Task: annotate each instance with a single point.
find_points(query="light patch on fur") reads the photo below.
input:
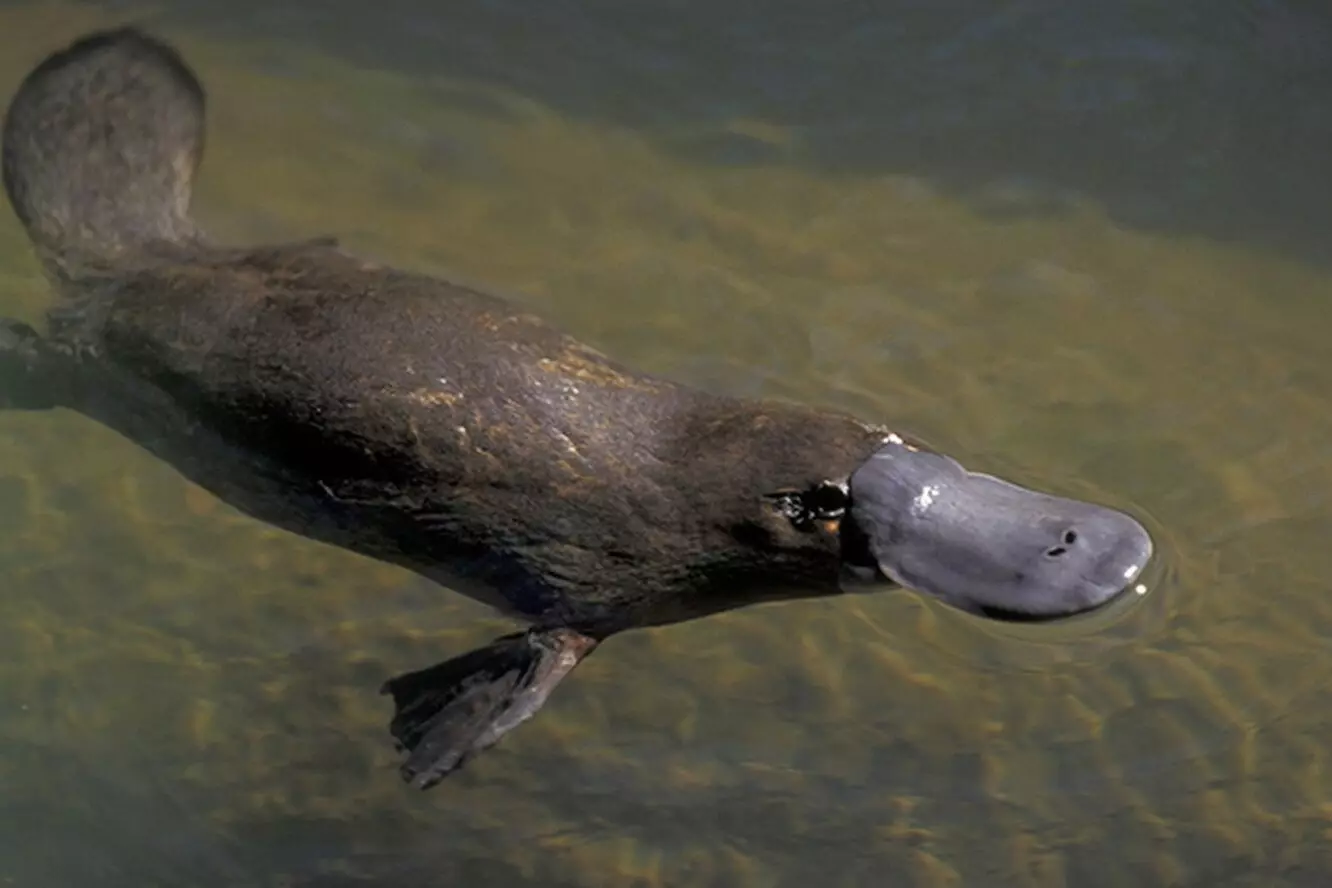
(434, 397)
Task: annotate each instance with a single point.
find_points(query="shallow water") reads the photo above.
(1082, 245)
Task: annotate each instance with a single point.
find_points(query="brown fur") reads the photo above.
(406, 417)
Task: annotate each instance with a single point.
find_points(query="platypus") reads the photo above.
(427, 423)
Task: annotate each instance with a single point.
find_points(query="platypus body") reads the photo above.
(428, 424)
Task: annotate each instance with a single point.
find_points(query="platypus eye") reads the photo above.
(822, 502)
(826, 500)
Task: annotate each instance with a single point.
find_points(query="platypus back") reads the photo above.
(101, 144)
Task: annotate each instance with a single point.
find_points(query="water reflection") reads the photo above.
(1200, 118)
(928, 218)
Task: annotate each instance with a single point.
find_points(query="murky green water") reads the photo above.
(1087, 251)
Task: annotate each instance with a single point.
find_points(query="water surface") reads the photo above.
(1087, 251)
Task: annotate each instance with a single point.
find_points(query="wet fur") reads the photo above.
(405, 417)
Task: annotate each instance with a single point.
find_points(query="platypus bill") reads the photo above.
(425, 423)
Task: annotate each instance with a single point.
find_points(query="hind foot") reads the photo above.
(25, 364)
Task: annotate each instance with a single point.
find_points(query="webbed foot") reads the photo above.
(25, 363)
(453, 710)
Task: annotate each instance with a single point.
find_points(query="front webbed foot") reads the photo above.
(453, 710)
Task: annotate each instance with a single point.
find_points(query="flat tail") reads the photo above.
(100, 146)
(448, 712)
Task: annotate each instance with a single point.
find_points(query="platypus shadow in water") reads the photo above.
(428, 424)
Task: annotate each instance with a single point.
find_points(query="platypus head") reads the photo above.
(807, 501)
(982, 544)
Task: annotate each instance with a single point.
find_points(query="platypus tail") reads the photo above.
(100, 148)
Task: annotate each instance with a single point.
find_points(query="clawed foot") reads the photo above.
(450, 711)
